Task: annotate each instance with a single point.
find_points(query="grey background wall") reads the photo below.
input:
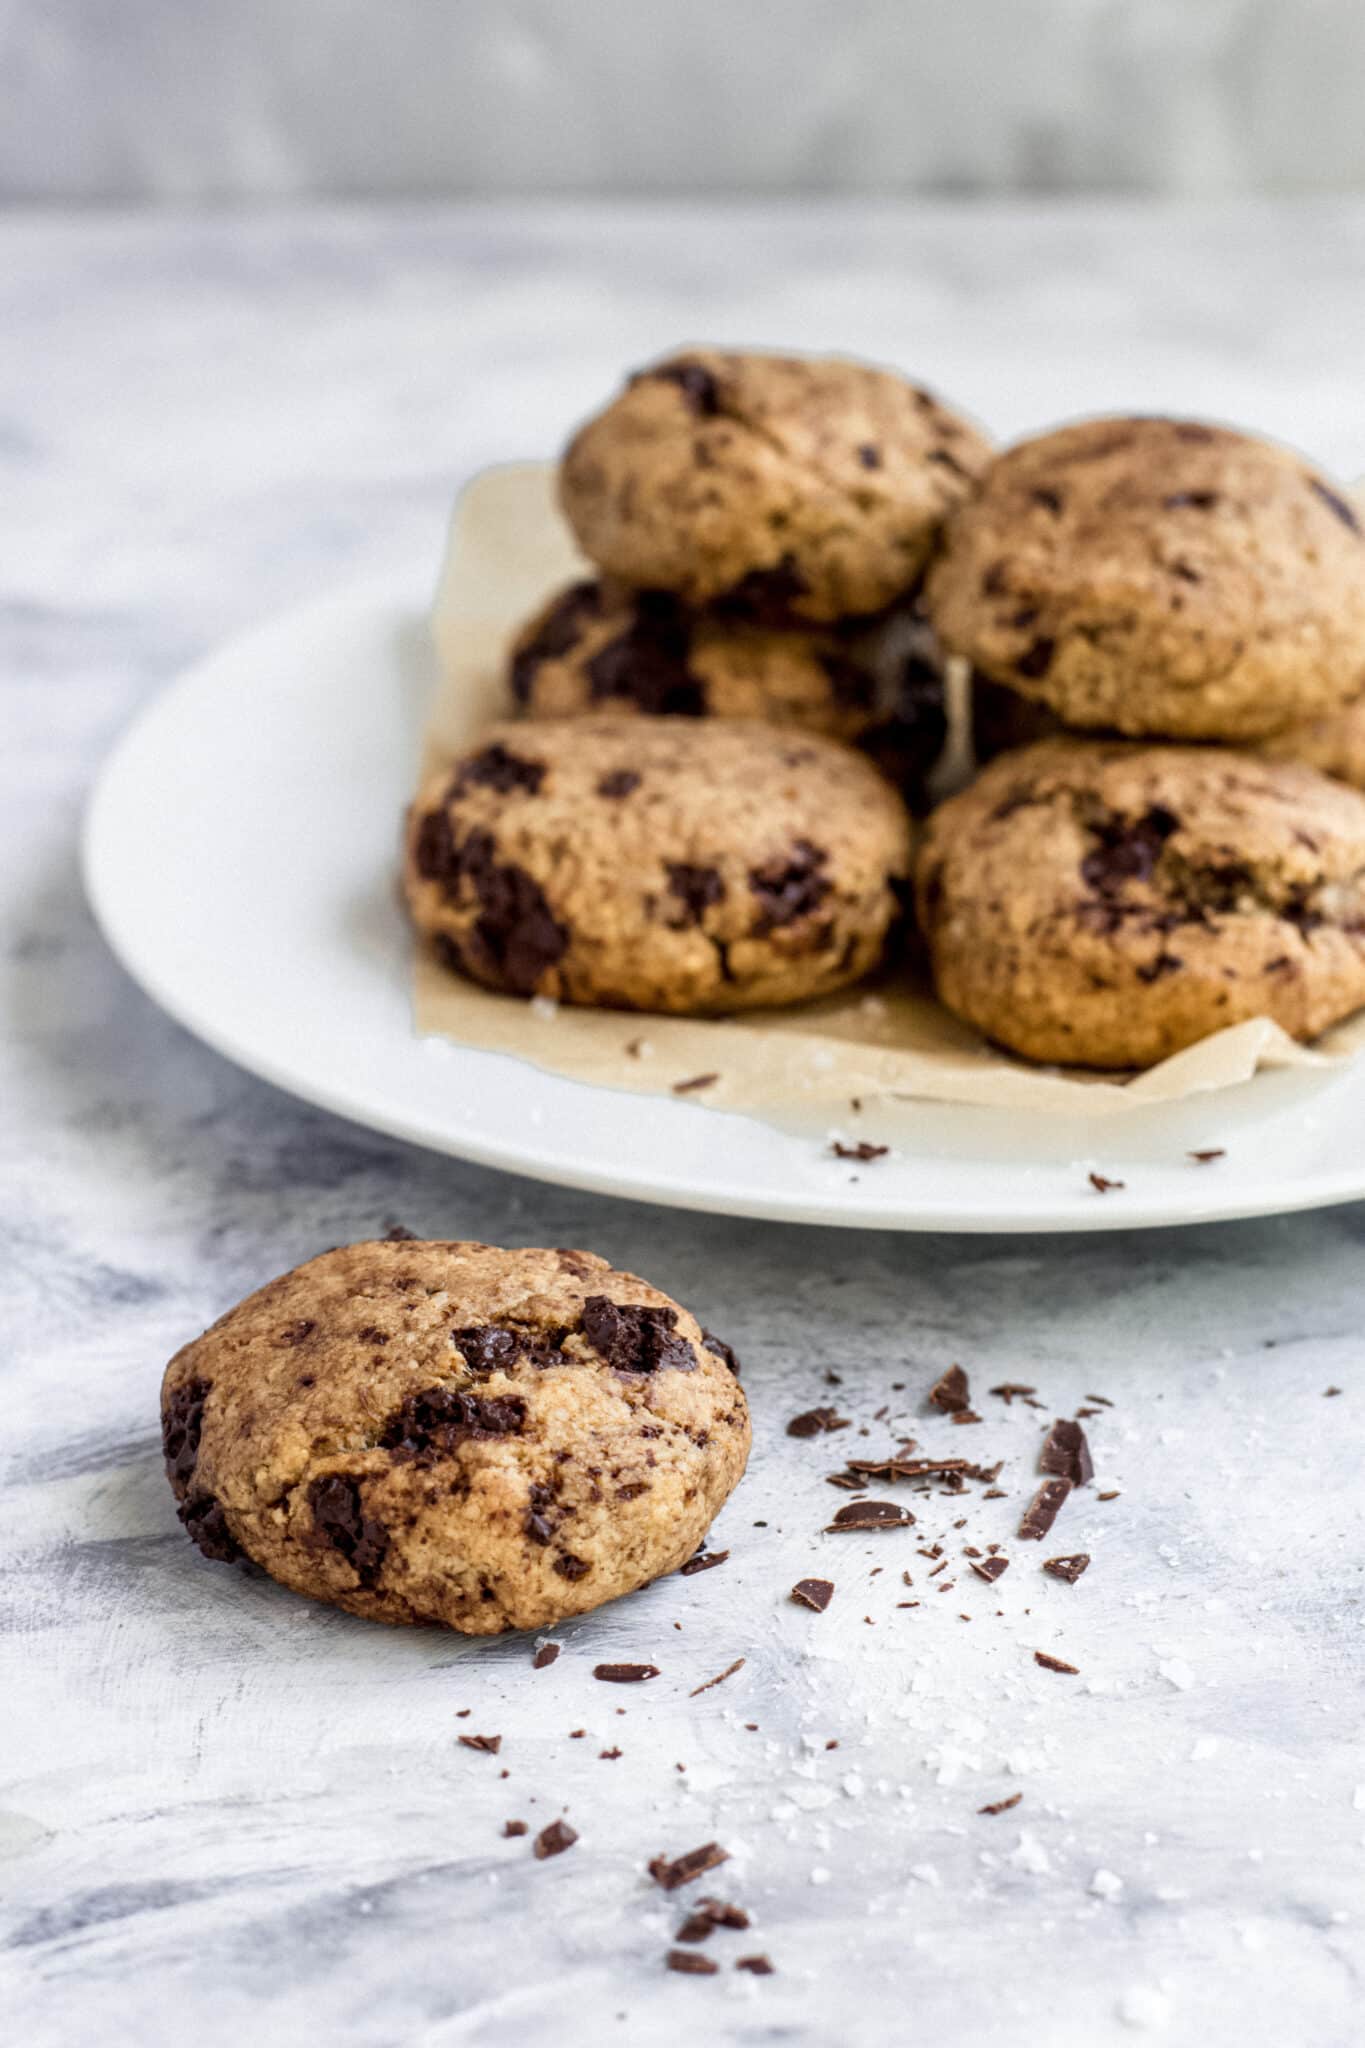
(223, 100)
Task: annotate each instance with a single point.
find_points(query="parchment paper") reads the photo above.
(508, 549)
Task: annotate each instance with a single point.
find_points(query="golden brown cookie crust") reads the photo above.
(450, 1433)
(1106, 904)
(1162, 577)
(1334, 745)
(809, 488)
(668, 864)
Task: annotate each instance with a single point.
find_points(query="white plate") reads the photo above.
(240, 852)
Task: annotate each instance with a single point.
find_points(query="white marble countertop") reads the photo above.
(228, 1815)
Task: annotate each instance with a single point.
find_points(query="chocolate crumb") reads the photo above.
(1068, 1568)
(697, 1082)
(624, 1674)
(869, 1514)
(544, 1656)
(704, 1561)
(608, 1756)
(555, 1839)
(990, 1568)
(813, 1593)
(1327, 1394)
(1107, 1496)
(719, 1678)
(1103, 1186)
(1043, 1509)
(862, 1150)
(1203, 1158)
(1066, 1452)
(688, 1963)
(489, 1744)
(816, 1420)
(672, 1871)
(950, 1392)
(757, 1966)
(1050, 1663)
(515, 1827)
(1001, 1805)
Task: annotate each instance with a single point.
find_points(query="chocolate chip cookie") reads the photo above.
(668, 864)
(786, 487)
(1106, 904)
(449, 1433)
(1158, 577)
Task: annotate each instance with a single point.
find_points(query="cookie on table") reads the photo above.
(1107, 903)
(788, 487)
(455, 1434)
(1335, 744)
(1158, 577)
(670, 864)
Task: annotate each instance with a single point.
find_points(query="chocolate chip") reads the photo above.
(789, 888)
(813, 1593)
(1043, 1509)
(294, 1333)
(1128, 849)
(182, 1425)
(500, 769)
(434, 850)
(990, 1568)
(689, 1963)
(1164, 963)
(559, 631)
(721, 1350)
(1050, 1663)
(619, 783)
(206, 1525)
(494, 1347)
(635, 1339)
(1066, 1452)
(696, 888)
(815, 1420)
(624, 1674)
(704, 1561)
(1036, 658)
(765, 597)
(1338, 506)
(489, 1745)
(869, 1514)
(1194, 501)
(869, 456)
(545, 1656)
(672, 1871)
(570, 1567)
(951, 1392)
(1049, 499)
(696, 383)
(433, 1422)
(555, 1839)
(340, 1519)
(1068, 1568)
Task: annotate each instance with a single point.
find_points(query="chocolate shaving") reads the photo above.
(869, 1514)
(813, 1593)
(757, 1966)
(544, 1656)
(555, 1839)
(697, 1082)
(1066, 1452)
(1211, 1152)
(672, 1871)
(709, 1914)
(624, 1674)
(489, 1744)
(704, 1561)
(1050, 1663)
(1043, 1509)
(990, 1568)
(950, 1392)
(719, 1678)
(862, 1150)
(688, 1963)
(1001, 1805)
(1008, 1390)
(817, 1420)
(1068, 1568)
(1103, 1186)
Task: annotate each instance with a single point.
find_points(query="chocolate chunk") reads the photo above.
(1102, 1186)
(340, 1519)
(1036, 658)
(515, 1827)
(1068, 1568)
(1050, 1663)
(555, 1839)
(704, 1561)
(869, 456)
(813, 1593)
(765, 597)
(721, 1350)
(990, 1568)
(1050, 500)
(869, 1514)
(695, 382)
(495, 1347)
(1001, 1805)
(1336, 505)
(688, 1963)
(1127, 849)
(816, 1421)
(619, 783)
(570, 1567)
(488, 1745)
(434, 850)
(516, 938)
(634, 1339)
(696, 888)
(294, 1333)
(182, 1425)
(672, 1871)
(1043, 1509)
(624, 1674)
(1066, 1452)
(695, 1084)
(206, 1525)
(500, 769)
(707, 1915)
(538, 1524)
(757, 1966)
(559, 632)
(861, 1151)
(435, 1421)
(951, 1392)
(790, 888)
(545, 1656)
(647, 664)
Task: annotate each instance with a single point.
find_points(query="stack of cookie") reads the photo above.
(689, 819)
(1108, 901)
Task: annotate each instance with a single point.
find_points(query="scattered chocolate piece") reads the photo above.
(1001, 1805)
(1009, 1389)
(515, 1827)
(757, 1966)
(489, 1744)
(545, 1655)
(704, 1561)
(698, 1081)
(990, 1568)
(624, 1674)
(555, 1839)
(869, 1514)
(688, 1963)
(862, 1150)
(707, 1915)
(848, 1480)
(1055, 1664)
(1068, 1568)
(1102, 1400)
(719, 1678)
(1043, 1509)
(1103, 1186)
(813, 1593)
(816, 1421)
(1210, 1153)
(1107, 1496)
(672, 1871)
(950, 1391)
(1327, 1394)
(964, 1415)
(608, 1756)
(1066, 1452)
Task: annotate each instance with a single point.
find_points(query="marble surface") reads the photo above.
(229, 1814)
